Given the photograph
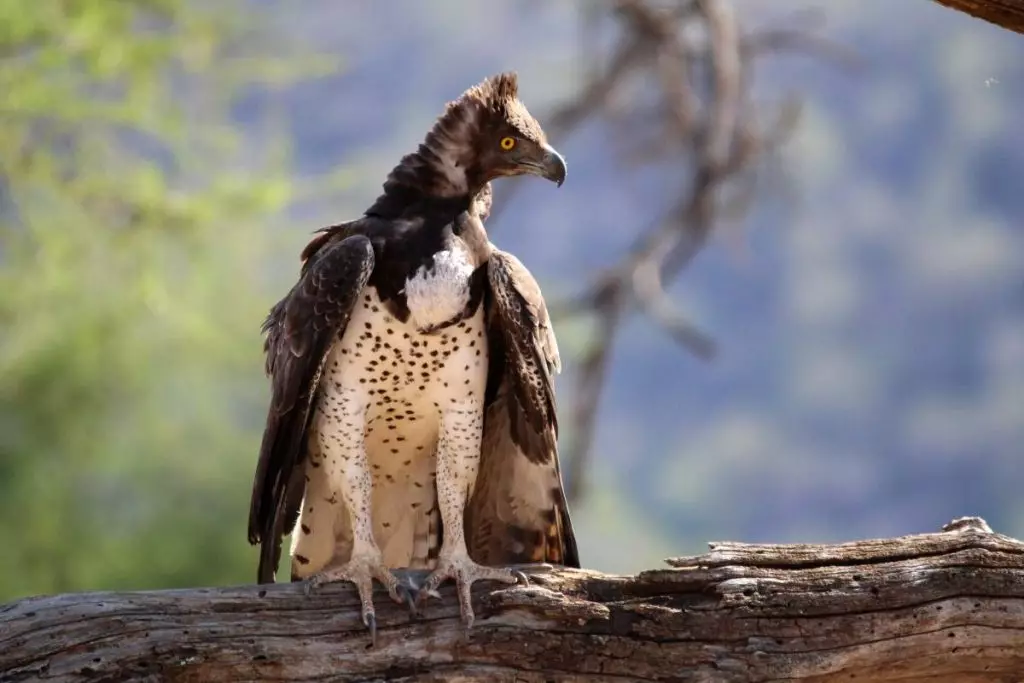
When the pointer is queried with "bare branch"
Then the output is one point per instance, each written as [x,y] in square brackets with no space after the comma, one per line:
[593,368]
[943,606]
[693,65]
[1008,14]
[655,302]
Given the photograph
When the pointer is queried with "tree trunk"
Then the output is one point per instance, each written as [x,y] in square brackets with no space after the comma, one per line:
[1008,14]
[936,607]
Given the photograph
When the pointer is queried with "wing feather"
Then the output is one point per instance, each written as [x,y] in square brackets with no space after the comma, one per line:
[300,330]
[518,512]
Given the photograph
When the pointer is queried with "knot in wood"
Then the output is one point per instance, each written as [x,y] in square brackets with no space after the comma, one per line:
[968,524]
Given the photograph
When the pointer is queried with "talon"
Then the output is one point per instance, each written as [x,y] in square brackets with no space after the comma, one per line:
[408,600]
[521,578]
[370,621]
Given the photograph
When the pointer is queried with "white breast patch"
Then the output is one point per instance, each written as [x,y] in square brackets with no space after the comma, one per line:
[438,294]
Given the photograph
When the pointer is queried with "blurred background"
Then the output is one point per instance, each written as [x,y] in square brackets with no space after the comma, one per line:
[828,191]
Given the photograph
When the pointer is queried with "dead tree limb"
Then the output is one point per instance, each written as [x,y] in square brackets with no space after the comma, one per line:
[935,607]
[675,90]
[1008,14]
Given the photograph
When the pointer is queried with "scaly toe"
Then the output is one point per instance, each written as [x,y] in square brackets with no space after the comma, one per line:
[426,591]
[396,593]
[466,604]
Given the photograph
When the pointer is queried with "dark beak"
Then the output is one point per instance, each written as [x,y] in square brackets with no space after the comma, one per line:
[553,165]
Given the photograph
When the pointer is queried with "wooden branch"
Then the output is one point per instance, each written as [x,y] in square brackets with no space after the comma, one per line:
[936,607]
[1008,14]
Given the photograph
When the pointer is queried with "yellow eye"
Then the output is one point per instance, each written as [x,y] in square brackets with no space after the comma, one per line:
[507,143]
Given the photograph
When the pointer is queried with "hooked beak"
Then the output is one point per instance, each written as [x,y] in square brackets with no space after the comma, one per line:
[552,165]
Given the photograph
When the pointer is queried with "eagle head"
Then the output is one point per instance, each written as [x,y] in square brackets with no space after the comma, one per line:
[485,133]
[499,135]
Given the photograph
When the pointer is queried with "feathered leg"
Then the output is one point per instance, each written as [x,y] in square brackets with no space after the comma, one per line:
[347,468]
[458,460]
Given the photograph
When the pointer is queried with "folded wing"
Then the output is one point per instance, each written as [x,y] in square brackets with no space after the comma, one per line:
[518,512]
[300,330]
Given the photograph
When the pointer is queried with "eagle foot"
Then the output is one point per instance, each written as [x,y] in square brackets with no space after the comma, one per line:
[361,570]
[465,572]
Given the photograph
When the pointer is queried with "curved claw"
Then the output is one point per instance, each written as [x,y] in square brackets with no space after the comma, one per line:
[407,598]
[521,578]
[370,621]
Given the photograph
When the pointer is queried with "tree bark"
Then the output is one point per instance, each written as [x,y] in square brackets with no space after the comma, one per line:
[1008,14]
[936,607]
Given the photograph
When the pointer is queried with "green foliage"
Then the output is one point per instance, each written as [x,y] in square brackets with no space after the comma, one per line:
[133,250]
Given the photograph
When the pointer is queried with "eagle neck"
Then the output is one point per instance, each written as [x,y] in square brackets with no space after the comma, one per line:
[442,172]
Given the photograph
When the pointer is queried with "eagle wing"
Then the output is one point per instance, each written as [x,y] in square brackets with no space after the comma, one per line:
[518,512]
[300,330]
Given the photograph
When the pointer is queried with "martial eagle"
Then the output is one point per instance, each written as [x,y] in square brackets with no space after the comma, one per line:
[412,417]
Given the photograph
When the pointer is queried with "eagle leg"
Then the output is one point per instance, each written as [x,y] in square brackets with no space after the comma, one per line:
[458,461]
[347,468]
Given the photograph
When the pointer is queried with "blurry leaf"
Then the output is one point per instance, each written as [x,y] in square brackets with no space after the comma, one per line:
[133,247]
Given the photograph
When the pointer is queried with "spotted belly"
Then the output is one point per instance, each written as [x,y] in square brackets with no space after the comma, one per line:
[385,383]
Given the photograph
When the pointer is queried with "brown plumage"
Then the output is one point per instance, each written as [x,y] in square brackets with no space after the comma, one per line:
[383,323]
[518,513]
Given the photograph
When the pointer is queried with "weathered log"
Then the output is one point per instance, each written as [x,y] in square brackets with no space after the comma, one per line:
[946,606]
[1008,14]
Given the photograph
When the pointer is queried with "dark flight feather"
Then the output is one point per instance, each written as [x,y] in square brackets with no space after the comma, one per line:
[300,330]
